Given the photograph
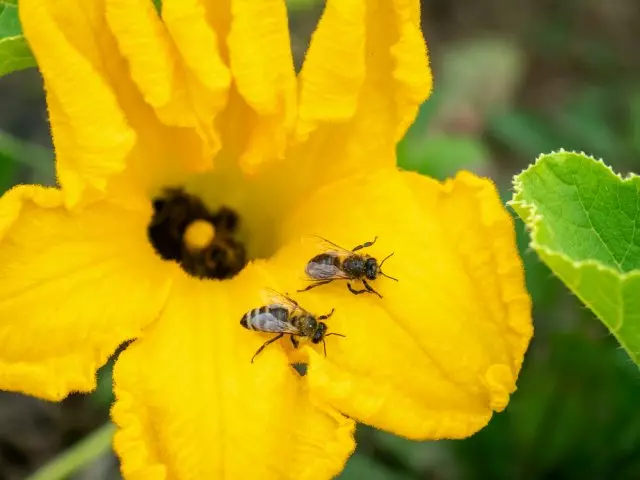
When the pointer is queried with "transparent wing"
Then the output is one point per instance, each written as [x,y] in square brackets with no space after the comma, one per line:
[321,271]
[330,247]
[274,297]
[266,322]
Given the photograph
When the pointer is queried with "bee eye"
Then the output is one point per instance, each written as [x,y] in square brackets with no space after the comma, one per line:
[317,337]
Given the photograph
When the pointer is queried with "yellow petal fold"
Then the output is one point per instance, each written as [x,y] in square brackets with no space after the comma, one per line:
[262,108]
[190,404]
[207,75]
[363,79]
[443,348]
[73,286]
[107,96]
[90,132]
[153,52]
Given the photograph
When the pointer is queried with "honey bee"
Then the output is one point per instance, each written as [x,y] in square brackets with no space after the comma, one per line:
[341,264]
[286,317]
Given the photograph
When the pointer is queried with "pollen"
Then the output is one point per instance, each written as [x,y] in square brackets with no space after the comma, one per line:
[201,240]
[198,235]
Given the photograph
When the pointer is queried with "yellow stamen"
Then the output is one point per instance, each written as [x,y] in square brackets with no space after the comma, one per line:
[199,235]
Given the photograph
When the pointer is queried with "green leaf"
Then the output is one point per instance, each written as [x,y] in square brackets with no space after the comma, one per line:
[7,168]
[524,132]
[38,160]
[586,123]
[634,117]
[585,225]
[360,466]
[442,155]
[303,5]
[418,457]
[14,51]
[78,456]
[558,425]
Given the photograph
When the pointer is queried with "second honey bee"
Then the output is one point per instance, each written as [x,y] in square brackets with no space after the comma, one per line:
[286,317]
[338,263]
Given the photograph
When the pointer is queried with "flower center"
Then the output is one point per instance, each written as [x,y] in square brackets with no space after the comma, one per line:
[184,230]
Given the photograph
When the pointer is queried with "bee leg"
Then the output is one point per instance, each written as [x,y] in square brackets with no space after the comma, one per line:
[268,342]
[365,245]
[356,292]
[294,341]
[317,284]
[370,288]
[324,317]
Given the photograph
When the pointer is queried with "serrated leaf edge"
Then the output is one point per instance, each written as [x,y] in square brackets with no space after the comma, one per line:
[533,218]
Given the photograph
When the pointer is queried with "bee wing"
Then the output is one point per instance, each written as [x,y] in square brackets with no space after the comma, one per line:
[266,322]
[321,271]
[276,298]
[330,247]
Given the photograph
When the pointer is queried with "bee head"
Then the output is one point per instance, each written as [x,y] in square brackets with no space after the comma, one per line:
[319,333]
[371,268]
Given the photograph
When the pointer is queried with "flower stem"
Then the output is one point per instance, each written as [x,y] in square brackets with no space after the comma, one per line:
[78,455]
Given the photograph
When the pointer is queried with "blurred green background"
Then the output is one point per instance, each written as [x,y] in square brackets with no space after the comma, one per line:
[513,79]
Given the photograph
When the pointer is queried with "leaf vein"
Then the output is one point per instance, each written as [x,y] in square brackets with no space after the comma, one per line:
[586,211]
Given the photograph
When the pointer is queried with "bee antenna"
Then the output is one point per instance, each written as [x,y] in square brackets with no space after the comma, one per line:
[324,343]
[386,258]
[380,267]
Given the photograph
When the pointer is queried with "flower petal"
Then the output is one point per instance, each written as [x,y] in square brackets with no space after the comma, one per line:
[364,77]
[104,131]
[208,76]
[443,348]
[73,286]
[261,111]
[190,404]
[181,94]
[90,131]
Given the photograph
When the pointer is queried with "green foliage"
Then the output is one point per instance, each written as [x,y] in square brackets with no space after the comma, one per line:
[599,119]
[362,466]
[478,76]
[574,416]
[387,456]
[585,222]
[103,394]
[79,456]
[545,84]
[6,172]
[22,161]
[443,155]
[302,5]
[525,133]
[14,51]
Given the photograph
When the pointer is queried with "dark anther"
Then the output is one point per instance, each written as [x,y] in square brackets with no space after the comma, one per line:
[222,258]
[226,219]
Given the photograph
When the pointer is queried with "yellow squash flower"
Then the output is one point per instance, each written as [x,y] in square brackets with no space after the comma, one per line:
[194,165]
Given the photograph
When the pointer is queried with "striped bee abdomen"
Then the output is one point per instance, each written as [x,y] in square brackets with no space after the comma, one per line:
[268,318]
